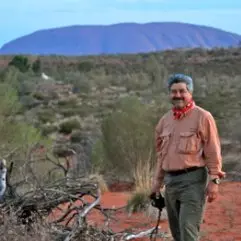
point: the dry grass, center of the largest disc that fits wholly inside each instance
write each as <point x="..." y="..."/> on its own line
<point x="11" y="230"/>
<point x="139" y="200"/>
<point x="101" y="182"/>
<point x="142" y="175"/>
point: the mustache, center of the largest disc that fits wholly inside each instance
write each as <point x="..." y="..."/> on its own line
<point x="178" y="98"/>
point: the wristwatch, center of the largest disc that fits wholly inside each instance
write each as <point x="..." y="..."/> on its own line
<point x="216" y="181"/>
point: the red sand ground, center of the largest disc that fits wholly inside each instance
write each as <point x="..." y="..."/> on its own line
<point x="222" y="217"/>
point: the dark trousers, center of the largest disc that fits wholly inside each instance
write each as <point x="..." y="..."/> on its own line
<point x="185" y="203"/>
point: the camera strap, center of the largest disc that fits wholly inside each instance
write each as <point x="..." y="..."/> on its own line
<point x="154" y="232"/>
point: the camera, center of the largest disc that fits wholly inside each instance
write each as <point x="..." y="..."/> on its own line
<point x="157" y="201"/>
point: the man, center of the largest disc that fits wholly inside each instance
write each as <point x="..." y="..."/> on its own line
<point x="189" y="160"/>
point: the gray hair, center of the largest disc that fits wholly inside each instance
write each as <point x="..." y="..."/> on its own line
<point x="180" y="78"/>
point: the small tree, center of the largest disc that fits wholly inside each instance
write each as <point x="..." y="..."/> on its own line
<point x="68" y="126"/>
<point x="36" y="66"/>
<point x="20" y="62"/>
<point x="128" y="135"/>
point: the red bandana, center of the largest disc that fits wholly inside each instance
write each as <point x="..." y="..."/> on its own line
<point x="179" y="113"/>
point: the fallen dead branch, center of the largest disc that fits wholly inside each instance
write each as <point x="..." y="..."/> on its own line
<point x="81" y="223"/>
<point x="44" y="199"/>
<point x="71" y="196"/>
<point x="138" y="235"/>
<point x="142" y="234"/>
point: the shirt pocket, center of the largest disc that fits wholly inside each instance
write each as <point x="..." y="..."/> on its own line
<point x="165" y="140"/>
<point x="189" y="143"/>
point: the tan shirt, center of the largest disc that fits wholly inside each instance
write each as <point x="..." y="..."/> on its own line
<point x="190" y="141"/>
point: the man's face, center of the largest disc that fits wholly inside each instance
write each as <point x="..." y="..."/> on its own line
<point x="180" y="95"/>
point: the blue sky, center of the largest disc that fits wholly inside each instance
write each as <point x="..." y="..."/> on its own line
<point x="20" y="17"/>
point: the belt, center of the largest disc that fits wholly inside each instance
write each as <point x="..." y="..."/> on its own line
<point x="179" y="172"/>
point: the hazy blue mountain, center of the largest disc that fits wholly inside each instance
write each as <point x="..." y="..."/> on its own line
<point x="119" y="38"/>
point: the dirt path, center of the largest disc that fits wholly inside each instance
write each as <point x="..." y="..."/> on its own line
<point x="222" y="219"/>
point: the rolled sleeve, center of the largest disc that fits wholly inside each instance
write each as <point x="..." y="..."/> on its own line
<point x="159" y="172"/>
<point x="211" y="145"/>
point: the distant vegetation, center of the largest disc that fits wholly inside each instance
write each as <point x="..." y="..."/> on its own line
<point x="105" y="107"/>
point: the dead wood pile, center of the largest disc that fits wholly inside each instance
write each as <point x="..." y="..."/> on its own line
<point x="70" y="196"/>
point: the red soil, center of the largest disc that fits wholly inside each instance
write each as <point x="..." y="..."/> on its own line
<point x="222" y="218"/>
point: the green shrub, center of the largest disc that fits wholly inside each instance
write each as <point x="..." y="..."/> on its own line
<point x="69" y="125"/>
<point x="82" y="86"/>
<point x="62" y="151"/>
<point x="48" y="129"/>
<point x="20" y="62"/>
<point x="39" y="96"/>
<point x="82" y="111"/>
<point x="77" y="136"/>
<point x="36" y="66"/>
<point x="71" y="102"/>
<point x="99" y="162"/>
<point x="128" y="135"/>
<point x="28" y="101"/>
<point x="46" y="115"/>
<point x="85" y="66"/>
<point x="67" y="112"/>
<point x="85" y="110"/>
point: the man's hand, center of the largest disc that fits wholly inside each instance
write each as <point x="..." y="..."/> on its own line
<point x="156" y="188"/>
<point x="157" y="200"/>
<point x="222" y="174"/>
<point x="212" y="191"/>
